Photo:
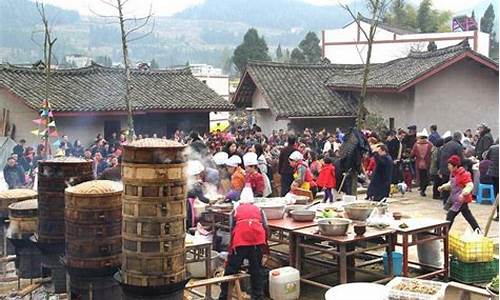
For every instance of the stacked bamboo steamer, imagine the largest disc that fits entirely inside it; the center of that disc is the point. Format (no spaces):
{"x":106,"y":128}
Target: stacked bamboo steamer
{"x":154,"y":210}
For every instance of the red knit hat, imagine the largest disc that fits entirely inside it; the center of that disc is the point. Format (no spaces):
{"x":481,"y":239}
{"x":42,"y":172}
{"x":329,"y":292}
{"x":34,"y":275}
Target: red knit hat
{"x":455,"y":160}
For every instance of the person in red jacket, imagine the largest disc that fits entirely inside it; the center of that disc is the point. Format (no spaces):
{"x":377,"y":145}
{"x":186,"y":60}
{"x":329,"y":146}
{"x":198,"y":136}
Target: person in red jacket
{"x":249,"y":231}
{"x":252,"y":175}
{"x":326,"y":179}
{"x":461,"y":187}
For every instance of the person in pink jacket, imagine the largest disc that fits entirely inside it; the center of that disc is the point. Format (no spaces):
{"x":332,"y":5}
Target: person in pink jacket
{"x":421,"y":152}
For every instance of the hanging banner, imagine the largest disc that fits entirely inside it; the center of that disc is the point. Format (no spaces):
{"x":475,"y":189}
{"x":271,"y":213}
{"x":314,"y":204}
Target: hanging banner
{"x":35,"y":132}
{"x":53,"y":133}
{"x":44,"y":113}
{"x":56,"y":143}
{"x":51,"y":115}
{"x":52,"y":124}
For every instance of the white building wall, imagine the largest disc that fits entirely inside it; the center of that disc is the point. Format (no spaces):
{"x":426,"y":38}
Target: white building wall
{"x":399,"y":106}
{"x":21,"y":116}
{"x":389,"y":46}
{"x":263,"y":116}
{"x":458,"y":98}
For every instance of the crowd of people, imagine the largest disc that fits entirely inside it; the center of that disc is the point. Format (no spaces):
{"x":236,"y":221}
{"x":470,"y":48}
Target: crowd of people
{"x":306,"y":160}
{"x":296,"y":162}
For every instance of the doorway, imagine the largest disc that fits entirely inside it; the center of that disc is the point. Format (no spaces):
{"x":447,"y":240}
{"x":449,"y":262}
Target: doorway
{"x":111,"y":127}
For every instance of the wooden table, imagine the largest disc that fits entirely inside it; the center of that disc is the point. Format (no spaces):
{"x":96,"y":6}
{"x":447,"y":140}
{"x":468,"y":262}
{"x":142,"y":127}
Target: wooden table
{"x":343,"y":248}
{"x":220,"y":219}
{"x":202,"y":252}
{"x":438,"y":229}
{"x":282,"y":233}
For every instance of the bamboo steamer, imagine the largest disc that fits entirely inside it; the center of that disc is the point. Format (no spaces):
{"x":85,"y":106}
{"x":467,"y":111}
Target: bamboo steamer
{"x":154,"y":151}
{"x":93,"y":225}
{"x":154,"y":211}
{"x":9,"y":197}
{"x":153,"y":173}
{"x":53,"y":177}
{"x":23,"y":219}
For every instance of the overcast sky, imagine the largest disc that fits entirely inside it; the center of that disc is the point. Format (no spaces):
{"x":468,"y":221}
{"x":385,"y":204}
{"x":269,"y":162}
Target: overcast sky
{"x":170,"y":7}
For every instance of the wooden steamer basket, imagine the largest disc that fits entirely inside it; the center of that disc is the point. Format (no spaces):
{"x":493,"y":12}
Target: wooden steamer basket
{"x":54,"y":176}
{"x":154,"y":209}
{"x":93,"y":217}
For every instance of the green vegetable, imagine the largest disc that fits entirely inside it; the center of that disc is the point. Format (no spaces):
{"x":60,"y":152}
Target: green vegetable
{"x":328,"y":213}
{"x":494,"y":284}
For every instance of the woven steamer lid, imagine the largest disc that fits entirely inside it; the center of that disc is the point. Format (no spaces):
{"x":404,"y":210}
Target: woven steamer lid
{"x":68,"y":159}
{"x":96,"y":187}
{"x":18,"y":193}
{"x":25,"y":205}
{"x":155,"y":143}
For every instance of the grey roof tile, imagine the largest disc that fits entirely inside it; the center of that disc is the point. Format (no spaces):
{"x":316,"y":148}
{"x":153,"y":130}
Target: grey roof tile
{"x":97,"y":89}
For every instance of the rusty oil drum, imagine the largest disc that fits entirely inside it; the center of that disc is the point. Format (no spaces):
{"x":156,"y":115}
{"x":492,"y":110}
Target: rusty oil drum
{"x":154,"y":211}
{"x":54,"y":176}
{"x":93,"y":219}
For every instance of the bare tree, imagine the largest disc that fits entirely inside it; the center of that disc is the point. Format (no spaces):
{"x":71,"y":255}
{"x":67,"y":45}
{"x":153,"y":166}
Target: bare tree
{"x":377,"y":10}
{"x":131,"y":29}
{"x":48,"y":44}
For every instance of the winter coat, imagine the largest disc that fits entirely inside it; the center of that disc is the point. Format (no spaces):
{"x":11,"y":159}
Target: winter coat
{"x":484,"y":143}
{"x":422,"y":153}
{"x":453,"y":147}
{"x":381,"y":178}
{"x":326,"y":178}
{"x":257,"y":182}
{"x":434,"y":161}
{"x":14,"y":176}
{"x":434,"y":137}
{"x":493,"y":156}
{"x":283,"y":165}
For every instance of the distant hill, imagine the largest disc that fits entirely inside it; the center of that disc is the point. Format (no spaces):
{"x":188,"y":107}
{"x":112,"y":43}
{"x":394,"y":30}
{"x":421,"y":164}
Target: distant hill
{"x":282,"y":14}
{"x":204,"y":33}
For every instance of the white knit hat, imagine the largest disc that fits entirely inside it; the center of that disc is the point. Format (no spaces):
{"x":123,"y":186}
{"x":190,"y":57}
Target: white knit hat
{"x":220,"y":158}
{"x":194,"y":167}
{"x":250,"y":159}
{"x":296,"y":156}
{"x":233,"y":161}
{"x":423,"y":133}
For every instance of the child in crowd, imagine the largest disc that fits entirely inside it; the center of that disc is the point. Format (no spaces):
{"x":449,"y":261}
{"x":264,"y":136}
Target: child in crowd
{"x":326,"y":179}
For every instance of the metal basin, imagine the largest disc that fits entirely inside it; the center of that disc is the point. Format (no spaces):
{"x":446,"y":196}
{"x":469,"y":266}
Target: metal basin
{"x":334,"y":226}
{"x":359,"y":210}
{"x":290,"y":208}
{"x":302,"y":215}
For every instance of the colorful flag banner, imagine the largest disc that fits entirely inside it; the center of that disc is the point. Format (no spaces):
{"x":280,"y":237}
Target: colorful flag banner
{"x":53,"y":133}
{"x":56,"y":143}
{"x":51,"y":115}
{"x":52,"y":124}
{"x":35,"y":132}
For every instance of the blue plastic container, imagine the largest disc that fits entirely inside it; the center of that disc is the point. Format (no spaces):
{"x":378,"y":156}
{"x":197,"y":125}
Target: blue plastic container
{"x":397,"y":263}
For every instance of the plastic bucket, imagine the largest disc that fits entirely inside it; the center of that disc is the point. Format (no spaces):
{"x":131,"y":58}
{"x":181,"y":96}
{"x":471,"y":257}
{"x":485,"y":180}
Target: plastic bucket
{"x":397,"y":263}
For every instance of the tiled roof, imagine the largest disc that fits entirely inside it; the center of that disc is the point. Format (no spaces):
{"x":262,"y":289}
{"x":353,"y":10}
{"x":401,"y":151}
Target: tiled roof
{"x":294,"y":90}
{"x":307,"y":90}
{"x":399,"y":73}
{"x":98,"y":89}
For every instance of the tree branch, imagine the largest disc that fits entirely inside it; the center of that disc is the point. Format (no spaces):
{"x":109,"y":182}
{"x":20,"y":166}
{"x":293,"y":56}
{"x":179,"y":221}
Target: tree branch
{"x":355,"y":18}
{"x":144,"y":35}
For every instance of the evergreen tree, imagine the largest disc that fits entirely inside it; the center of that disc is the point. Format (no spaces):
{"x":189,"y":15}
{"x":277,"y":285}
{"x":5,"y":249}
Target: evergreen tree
{"x":488,"y":20}
{"x":310,"y":49}
{"x":253,"y":47}
{"x":473,"y":15}
{"x":279,"y":53}
{"x":154,"y":64}
{"x":286,"y":55}
{"x":297,"y":57}
{"x":397,"y":14}
{"x":425,"y":17}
